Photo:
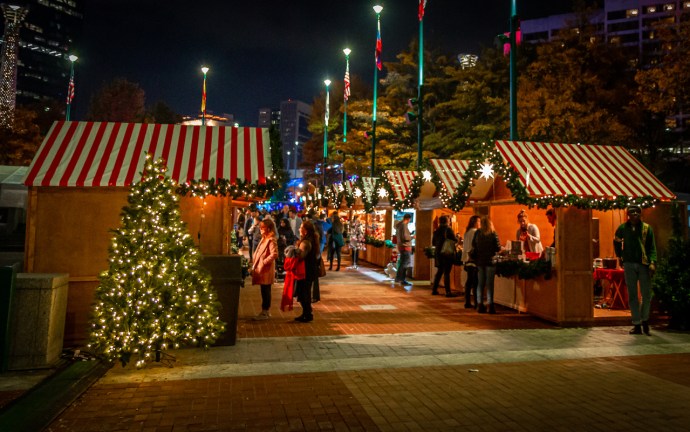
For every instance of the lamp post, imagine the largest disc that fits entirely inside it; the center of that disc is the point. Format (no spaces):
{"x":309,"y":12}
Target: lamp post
{"x":420,"y":120}
{"x":346,"y":96}
{"x":325,"y":131}
{"x":70,"y":86}
{"x":203,"y":98}
{"x":377,"y":66}
{"x":296,"y":150}
{"x":513,"y":72}
{"x":288,"y":161}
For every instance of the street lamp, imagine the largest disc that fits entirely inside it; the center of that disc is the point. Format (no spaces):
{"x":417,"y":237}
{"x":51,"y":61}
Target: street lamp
{"x":288,"y":161}
{"x":325,"y":131}
{"x":377,"y":67}
{"x":346,"y":96}
{"x":513,"y":72}
{"x":203,"y":98}
{"x":420,"y":122}
{"x":70,"y":87}
{"x":296,"y":150}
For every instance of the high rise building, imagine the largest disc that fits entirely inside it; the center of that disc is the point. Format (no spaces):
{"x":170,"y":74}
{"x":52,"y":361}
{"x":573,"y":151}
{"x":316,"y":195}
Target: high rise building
{"x":294,"y":132}
{"x":269,"y":117}
{"x":13,"y":17}
{"x":46,"y":39}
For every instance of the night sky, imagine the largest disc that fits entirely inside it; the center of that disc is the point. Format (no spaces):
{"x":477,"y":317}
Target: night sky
{"x":262,"y":52}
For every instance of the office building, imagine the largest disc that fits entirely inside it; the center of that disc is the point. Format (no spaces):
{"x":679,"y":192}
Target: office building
{"x":294,"y":132}
{"x":46,"y":39}
{"x":269,"y":117}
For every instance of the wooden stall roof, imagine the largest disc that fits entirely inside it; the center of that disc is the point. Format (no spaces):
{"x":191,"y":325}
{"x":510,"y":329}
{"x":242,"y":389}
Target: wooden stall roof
{"x":585,"y":170}
{"x":451,"y":173}
{"x":400,"y":182}
{"x":113,"y":154}
{"x":369,"y":185}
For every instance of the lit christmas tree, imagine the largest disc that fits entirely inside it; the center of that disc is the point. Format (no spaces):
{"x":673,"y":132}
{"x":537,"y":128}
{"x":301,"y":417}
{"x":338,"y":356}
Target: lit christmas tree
{"x":155,"y":295}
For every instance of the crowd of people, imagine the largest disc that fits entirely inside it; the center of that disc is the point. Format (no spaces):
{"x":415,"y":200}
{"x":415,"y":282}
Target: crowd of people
{"x":272,"y":237}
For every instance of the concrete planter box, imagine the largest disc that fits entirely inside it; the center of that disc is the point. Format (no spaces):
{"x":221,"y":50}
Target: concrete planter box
{"x":226,"y":278}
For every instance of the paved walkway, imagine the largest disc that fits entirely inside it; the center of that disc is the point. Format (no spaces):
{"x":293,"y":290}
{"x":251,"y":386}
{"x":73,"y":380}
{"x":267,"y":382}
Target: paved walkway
{"x":381,"y":358}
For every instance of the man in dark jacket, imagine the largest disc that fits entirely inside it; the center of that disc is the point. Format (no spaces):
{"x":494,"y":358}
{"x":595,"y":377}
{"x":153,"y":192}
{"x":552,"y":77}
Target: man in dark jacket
{"x":444,"y":262}
{"x":402,"y":233}
{"x":636,"y":249}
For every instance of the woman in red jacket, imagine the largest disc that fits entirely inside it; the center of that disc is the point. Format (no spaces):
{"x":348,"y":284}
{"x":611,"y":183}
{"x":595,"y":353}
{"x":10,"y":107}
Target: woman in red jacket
{"x":264,"y":265}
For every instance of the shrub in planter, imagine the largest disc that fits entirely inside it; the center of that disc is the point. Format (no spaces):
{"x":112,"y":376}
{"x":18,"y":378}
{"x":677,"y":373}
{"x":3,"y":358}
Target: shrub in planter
{"x":671,"y":282}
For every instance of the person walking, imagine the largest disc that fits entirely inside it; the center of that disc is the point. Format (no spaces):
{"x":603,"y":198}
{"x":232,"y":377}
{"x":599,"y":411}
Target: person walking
{"x":443,"y":261}
{"x":404,"y":238}
{"x":264,"y":266}
{"x":469,"y":265}
{"x":356,"y":239}
{"x":486,"y":245}
{"x":337,"y":241}
{"x":635,"y":247}
{"x":248,"y":222}
{"x":308,"y":251}
{"x":295,"y":222}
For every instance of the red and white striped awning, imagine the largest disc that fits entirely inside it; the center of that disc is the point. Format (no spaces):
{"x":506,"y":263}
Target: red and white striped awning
{"x":348,"y":186}
{"x":400,"y":182}
{"x":369,"y":185}
{"x":450,"y":172}
{"x":113,"y":154}
{"x":584,"y":170}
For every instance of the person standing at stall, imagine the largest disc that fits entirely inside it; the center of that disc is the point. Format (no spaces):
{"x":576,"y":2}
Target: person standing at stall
{"x":528,"y":234}
{"x":308,"y":251}
{"x":336,"y":241}
{"x":636,"y":249}
{"x":264,"y":265}
{"x":404,"y":237}
{"x":486,"y":245}
{"x":356,"y":239}
{"x":470,"y":265}
{"x":444,"y":256}
{"x":551,"y":217}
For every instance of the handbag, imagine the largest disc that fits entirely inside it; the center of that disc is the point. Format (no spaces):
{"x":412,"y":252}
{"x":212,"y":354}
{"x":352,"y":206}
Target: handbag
{"x":448,"y":248}
{"x":322,"y":268}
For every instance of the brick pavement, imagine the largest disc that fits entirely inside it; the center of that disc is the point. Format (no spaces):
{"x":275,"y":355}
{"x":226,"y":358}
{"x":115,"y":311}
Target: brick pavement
{"x":424,"y":364}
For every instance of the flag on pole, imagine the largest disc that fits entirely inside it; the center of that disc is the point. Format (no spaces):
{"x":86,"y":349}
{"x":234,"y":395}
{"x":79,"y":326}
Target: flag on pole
{"x":378,"y":45}
{"x":327,"y":106}
{"x":70,"y":90}
{"x":346,"y":96}
{"x":203,"y":98}
{"x":422,"y":5}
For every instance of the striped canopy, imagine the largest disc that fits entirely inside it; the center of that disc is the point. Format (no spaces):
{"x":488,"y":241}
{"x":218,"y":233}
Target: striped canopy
{"x":369,"y":185}
{"x":585,"y":170}
{"x":400,"y":182}
{"x":450,"y":172}
{"x":113,"y":154}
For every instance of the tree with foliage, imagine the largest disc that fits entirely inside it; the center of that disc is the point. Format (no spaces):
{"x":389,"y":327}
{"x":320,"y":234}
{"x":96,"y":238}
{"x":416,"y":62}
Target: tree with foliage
{"x":155,"y":295}
{"x":573,"y":91}
{"x":19,"y":144}
{"x":162,"y":113}
{"x":117,"y":101}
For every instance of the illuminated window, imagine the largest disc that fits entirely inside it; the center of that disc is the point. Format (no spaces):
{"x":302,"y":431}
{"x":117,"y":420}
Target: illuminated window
{"x":669,"y":7}
{"x":686,"y":5}
{"x":632,"y":13}
{"x":651,"y":9}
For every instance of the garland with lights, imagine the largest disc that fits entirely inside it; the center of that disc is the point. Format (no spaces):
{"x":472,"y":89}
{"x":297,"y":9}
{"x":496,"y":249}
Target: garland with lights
{"x":238,"y":189}
{"x":155,"y":295}
{"x":412,"y":195}
{"x":370,"y":200}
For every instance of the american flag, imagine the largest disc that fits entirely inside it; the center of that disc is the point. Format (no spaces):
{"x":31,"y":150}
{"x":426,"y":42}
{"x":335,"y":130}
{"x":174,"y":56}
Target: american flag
{"x":378,"y":45}
{"x":422,"y":5}
{"x":347,"y":82}
{"x":70,"y":90}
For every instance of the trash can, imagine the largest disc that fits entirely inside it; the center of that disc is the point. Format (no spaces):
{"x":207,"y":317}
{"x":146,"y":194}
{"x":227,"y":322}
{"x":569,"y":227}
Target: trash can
{"x":226,"y":279}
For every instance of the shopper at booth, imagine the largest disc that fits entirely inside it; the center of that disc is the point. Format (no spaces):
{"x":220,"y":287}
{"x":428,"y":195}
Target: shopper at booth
{"x":636,"y":249}
{"x":551,"y":217}
{"x":485,"y":245}
{"x":469,"y":265}
{"x":404,"y":238}
{"x":336,"y":240}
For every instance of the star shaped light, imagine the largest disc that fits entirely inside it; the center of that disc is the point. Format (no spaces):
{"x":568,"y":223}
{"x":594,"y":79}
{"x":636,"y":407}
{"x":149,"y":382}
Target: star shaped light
{"x":426,"y":175}
{"x":358,"y":193}
{"x":486,"y":171}
{"x":383,"y":193}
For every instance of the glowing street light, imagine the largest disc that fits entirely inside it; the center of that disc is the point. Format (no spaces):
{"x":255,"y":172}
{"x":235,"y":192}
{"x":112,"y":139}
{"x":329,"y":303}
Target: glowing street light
{"x":325,"y":131}
{"x":203,"y":97}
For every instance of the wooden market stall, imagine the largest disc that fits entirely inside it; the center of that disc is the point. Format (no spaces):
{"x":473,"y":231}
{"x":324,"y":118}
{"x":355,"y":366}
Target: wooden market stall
{"x":575,"y":179}
{"x":79,"y":182}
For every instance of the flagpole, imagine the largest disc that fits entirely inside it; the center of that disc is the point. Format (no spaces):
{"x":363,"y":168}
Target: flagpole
{"x":70,"y":86}
{"x":346,"y":96}
{"x":378,"y":10}
{"x":513,"y":73}
{"x":203,"y":98}
{"x":325,"y":132}
{"x":420,"y":105}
